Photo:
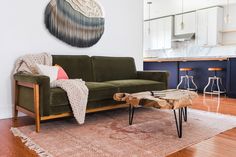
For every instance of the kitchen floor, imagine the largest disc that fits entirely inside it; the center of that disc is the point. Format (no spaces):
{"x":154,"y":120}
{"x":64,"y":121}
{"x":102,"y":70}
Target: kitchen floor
{"x":222,"y":145}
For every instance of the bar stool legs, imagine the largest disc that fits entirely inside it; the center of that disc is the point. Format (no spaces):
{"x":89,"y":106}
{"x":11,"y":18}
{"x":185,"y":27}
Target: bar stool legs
{"x":187,"y":81}
{"x":215,"y":84}
{"x":214,"y":81}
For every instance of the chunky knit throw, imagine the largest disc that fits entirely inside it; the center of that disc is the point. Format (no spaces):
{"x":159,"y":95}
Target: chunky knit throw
{"x":27,"y":63}
{"x":77,"y":93}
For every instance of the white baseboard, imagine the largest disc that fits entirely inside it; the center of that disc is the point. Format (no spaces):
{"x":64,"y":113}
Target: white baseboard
{"x":7,"y":112}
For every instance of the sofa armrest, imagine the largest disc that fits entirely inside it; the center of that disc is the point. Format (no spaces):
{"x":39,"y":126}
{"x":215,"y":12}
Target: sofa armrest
{"x":44,"y":90}
{"x":160,"y":76}
{"x":30,"y":78}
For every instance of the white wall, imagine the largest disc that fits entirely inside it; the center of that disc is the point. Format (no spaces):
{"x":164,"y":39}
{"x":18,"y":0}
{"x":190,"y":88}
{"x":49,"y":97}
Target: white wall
{"x":22,"y":31}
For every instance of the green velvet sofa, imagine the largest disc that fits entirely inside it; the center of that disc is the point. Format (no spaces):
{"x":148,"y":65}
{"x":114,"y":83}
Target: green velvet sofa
{"x":104,"y":77}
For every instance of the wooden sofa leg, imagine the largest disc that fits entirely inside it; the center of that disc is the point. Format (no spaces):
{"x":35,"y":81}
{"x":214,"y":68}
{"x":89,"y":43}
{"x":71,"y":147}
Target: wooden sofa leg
{"x":16,"y":101}
{"x":15,"y":114}
{"x":36,"y":107}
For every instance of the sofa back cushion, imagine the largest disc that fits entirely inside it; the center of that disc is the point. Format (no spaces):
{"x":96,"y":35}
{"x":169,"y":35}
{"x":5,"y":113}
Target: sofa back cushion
{"x":113,"y":68}
{"x":76,"y":66}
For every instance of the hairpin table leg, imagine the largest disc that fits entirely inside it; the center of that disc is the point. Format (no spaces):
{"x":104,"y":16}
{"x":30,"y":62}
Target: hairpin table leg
{"x":185,"y":114}
{"x":178,"y":122}
{"x":131,"y":114}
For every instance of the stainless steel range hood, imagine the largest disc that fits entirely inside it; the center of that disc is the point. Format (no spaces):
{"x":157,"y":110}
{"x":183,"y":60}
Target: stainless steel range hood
{"x":183,"y":37}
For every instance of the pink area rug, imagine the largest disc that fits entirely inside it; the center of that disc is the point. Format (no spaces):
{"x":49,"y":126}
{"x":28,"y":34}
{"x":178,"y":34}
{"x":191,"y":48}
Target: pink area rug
{"x":107,"y":134}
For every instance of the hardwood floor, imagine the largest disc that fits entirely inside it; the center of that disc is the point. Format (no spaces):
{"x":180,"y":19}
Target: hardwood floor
{"x":222,"y":145}
{"x":11,"y":146}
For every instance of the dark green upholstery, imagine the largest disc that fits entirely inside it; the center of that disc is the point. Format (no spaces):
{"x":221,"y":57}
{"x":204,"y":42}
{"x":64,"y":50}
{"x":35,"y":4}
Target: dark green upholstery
{"x":104,"y":77}
{"x":137,"y":85}
{"x":58,"y":97}
{"x":75,"y":66}
{"x":97,"y":91}
{"x":26,"y":94}
{"x":160,"y":76}
{"x":113,"y":68}
{"x":100,"y":91}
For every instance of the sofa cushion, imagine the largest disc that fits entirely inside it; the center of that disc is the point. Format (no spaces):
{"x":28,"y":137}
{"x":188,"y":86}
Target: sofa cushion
{"x":76,"y":66}
{"x":100,"y":91}
{"x":97,"y":91}
{"x":137,"y":85}
{"x":58,"y":97}
{"x":113,"y":68}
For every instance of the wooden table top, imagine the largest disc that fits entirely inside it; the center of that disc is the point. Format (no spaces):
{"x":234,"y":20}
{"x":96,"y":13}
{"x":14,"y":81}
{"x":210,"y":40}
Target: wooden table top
{"x":165,"y":99}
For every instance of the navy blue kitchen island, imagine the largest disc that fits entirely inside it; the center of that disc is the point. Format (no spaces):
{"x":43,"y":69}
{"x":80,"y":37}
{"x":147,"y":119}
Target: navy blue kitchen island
{"x":200,"y":70}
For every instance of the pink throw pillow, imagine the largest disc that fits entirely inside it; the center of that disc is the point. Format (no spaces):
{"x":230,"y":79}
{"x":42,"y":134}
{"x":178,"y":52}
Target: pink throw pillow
{"x":61,"y":73}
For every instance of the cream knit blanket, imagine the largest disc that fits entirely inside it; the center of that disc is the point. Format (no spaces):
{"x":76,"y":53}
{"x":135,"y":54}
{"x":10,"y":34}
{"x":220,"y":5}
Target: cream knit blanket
{"x":77,"y":93}
{"x":76,"y":89}
{"x":27,"y":63}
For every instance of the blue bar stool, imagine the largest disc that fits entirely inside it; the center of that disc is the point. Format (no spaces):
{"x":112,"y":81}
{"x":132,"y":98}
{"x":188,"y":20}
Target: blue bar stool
{"x":186,"y":81}
{"x":214,"y":85}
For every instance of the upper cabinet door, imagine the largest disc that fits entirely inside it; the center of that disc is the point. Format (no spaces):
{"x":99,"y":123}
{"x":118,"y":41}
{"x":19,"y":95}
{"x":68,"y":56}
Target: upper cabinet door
{"x":146,"y":36}
{"x":153,"y":35}
{"x":202,"y":28}
{"x":215,"y":26}
{"x":168,"y":30}
{"x":189,"y":20}
{"x":209,"y":26}
{"x":158,"y":34}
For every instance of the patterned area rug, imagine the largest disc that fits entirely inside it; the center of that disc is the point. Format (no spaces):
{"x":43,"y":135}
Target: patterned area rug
{"x":107,"y":134}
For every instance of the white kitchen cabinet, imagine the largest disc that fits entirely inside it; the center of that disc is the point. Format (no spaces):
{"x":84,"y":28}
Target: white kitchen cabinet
{"x":209,"y":26}
{"x":158,"y":33}
{"x":189,"y":20}
{"x":202,"y":28}
{"x":168,"y":30}
{"x":152,"y":35}
{"x":146,"y":36}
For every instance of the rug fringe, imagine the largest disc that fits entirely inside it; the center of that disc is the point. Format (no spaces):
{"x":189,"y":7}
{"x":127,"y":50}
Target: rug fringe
{"x":29,"y":143}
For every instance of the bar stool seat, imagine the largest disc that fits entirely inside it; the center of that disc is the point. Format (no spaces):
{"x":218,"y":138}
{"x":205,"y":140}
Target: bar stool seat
{"x":215,"y":69}
{"x":185,"y":69}
{"x":214,"y":81}
{"x":187,"y":80}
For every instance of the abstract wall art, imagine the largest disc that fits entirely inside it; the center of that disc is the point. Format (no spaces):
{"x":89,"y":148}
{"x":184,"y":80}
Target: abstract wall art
{"x":79,"y":23}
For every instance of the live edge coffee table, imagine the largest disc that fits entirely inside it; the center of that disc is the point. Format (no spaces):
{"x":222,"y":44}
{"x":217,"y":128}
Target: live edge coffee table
{"x":172,"y":99}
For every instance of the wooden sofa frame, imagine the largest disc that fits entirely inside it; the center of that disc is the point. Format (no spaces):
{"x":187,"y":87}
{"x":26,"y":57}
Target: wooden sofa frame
{"x":36,"y":113}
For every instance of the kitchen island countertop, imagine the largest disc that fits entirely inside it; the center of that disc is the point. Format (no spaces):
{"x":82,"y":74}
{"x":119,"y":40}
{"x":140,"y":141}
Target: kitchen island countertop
{"x":178,"y":59}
